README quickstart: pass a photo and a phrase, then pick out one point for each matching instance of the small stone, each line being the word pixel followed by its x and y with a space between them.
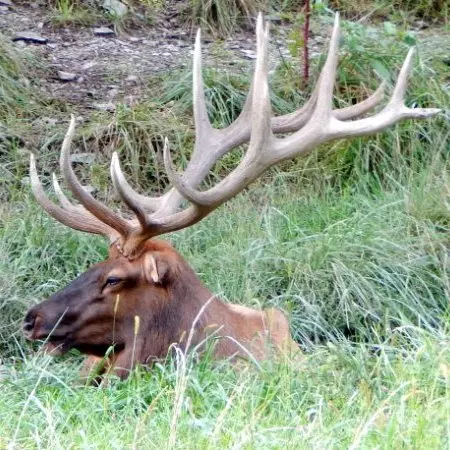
pixel 50 121
pixel 66 76
pixel 273 18
pixel 132 79
pixel 104 31
pixel 52 46
pixel 25 81
pixel 421 25
pixel 134 39
pixel 115 7
pixel 4 9
pixel 29 36
pixel 88 65
pixel 249 54
pixel 25 181
pixel 112 93
pixel 90 189
pixel 82 158
pixel 104 106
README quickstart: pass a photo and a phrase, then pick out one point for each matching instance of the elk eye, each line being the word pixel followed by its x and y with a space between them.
pixel 113 281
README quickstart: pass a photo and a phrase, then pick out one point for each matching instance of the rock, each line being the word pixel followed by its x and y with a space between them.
pixel 275 18
pixel 89 65
pixel 6 3
pixel 82 158
pixel 66 76
pixel 421 25
pixel 29 36
pixel 90 189
pixel 25 81
pixel 249 54
pixel 4 9
pixel 115 7
pixel 104 106
pixel 104 31
pixel 49 121
pixel 112 93
pixel 25 181
pixel 132 79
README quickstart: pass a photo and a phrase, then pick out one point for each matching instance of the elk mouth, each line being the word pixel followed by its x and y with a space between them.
pixel 34 329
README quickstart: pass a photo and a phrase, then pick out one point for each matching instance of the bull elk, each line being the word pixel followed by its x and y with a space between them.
pixel 145 281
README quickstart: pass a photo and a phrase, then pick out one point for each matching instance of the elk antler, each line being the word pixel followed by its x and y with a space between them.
pixel 313 124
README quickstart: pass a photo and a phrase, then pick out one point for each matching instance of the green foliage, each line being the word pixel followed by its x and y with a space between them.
pixel 17 97
pixel 398 10
pixel 394 395
pixel 225 94
pixel 221 17
pixel 74 12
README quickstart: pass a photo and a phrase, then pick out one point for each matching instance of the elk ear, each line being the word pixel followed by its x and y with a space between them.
pixel 155 267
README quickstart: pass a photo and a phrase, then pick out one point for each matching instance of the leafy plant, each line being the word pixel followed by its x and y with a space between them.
pixel 73 12
pixel 221 17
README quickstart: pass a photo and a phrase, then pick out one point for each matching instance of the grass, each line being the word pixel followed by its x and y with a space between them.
pixel 342 396
pixel 73 13
pixel 351 241
pixel 222 17
pixel 398 10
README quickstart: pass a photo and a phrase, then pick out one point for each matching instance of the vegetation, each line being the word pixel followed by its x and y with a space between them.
pixel 399 10
pixel 351 241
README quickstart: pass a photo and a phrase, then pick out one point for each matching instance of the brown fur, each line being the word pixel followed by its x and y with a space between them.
pixel 161 302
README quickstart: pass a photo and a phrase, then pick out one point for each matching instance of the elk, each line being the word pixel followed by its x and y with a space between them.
pixel 144 297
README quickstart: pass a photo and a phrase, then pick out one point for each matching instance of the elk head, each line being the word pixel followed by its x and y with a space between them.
pixel 149 277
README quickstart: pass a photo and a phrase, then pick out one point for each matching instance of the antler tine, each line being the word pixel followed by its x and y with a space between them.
pixel 252 164
pixel 126 193
pixel 65 202
pixel 70 217
pixel 141 201
pixel 392 113
pixel 327 78
pixel 83 214
pixel 202 124
pixel 96 208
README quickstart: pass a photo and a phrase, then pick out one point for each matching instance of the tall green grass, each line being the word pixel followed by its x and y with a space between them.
pixel 340 396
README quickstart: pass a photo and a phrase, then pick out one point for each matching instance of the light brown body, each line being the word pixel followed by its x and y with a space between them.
pixel 159 302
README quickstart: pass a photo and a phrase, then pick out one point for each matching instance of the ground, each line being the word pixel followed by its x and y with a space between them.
pixel 117 67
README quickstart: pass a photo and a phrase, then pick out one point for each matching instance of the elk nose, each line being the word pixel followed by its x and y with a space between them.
pixel 29 322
